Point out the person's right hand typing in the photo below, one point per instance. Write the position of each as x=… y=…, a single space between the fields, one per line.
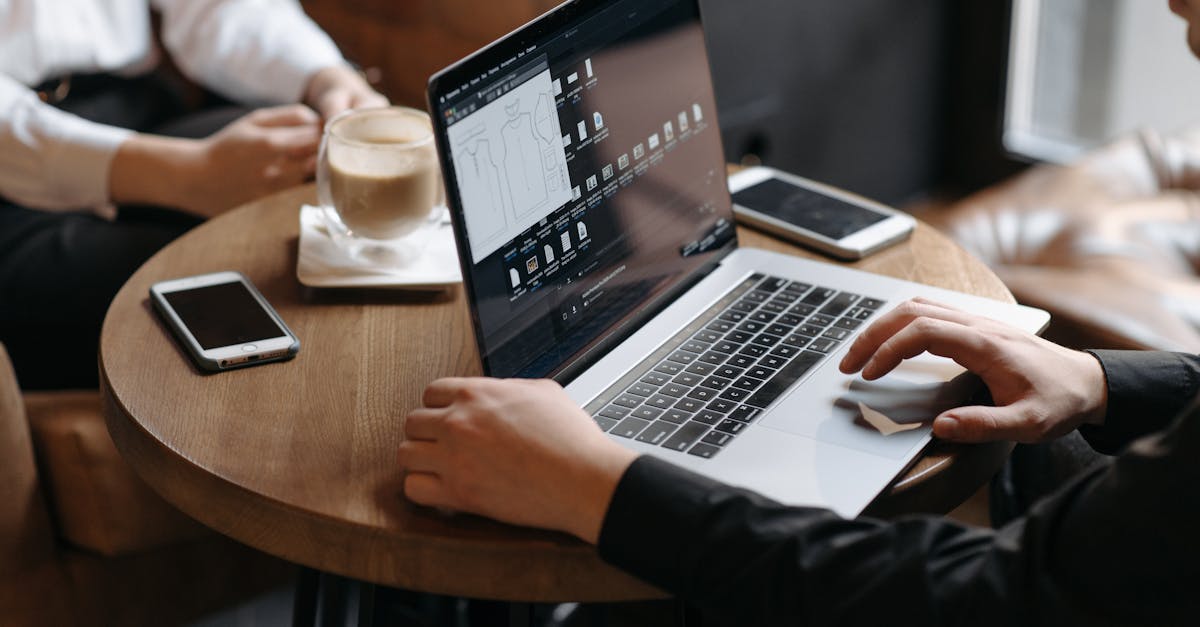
x=265 y=151
x=1041 y=390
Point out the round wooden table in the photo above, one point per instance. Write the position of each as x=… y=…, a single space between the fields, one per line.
x=297 y=458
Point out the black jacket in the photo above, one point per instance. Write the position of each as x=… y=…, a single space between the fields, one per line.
x=1118 y=545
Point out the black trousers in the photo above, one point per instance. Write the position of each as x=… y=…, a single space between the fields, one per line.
x=60 y=270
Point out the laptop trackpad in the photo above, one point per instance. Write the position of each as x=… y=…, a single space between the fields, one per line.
x=829 y=407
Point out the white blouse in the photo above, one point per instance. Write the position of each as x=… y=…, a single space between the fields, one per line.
x=252 y=51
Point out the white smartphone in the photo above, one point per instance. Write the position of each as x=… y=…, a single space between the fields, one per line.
x=830 y=220
x=223 y=321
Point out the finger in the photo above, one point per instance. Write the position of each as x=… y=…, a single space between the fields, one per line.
x=287 y=115
x=419 y=456
x=442 y=392
x=424 y=424
x=333 y=104
x=426 y=489
x=965 y=345
x=981 y=423
x=294 y=142
x=869 y=341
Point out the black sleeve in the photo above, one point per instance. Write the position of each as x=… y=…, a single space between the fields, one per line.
x=1146 y=389
x=1117 y=546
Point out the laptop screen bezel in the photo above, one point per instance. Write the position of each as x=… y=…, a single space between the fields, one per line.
x=474 y=65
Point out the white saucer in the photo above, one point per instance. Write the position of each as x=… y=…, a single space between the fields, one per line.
x=322 y=263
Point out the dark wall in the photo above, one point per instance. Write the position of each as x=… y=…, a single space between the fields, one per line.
x=864 y=94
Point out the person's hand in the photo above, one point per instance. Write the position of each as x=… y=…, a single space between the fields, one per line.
x=515 y=450
x=260 y=153
x=339 y=88
x=1040 y=390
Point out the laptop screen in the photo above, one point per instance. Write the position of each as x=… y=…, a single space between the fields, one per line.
x=586 y=175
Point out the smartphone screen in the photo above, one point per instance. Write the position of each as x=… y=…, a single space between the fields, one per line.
x=807 y=209
x=225 y=314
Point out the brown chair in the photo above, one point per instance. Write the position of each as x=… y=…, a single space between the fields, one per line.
x=83 y=541
x=1110 y=245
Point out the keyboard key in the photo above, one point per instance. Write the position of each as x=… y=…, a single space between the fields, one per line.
x=772 y=284
x=759 y=372
x=669 y=367
x=719 y=326
x=785 y=351
x=871 y=303
x=630 y=427
x=744 y=413
x=820 y=320
x=686 y=436
x=707 y=451
x=748 y=383
x=655 y=378
x=722 y=406
x=786 y=298
x=646 y=412
x=836 y=333
x=732 y=427
x=739 y=337
x=750 y=326
x=802 y=310
x=628 y=400
x=641 y=389
x=677 y=416
x=790 y=319
x=703 y=394
x=688 y=380
x=713 y=357
x=615 y=412
x=605 y=423
x=726 y=347
x=705 y=335
x=784 y=379
x=716 y=383
x=741 y=361
x=762 y=316
x=694 y=346
x=678 y=388
x=752 y=350
x=818 y=296
x=727 y=371
x=774 y=307
x=682 y=357
x=735 y=395
x=661 y=401
x=701 y=368
x=772 y=361
x=822 y=345
x=689 y=405
x=744 y=306
x=799 y=341
x=756 y=296
x=716 y=438
x=779 y=329
x=848 y=323
x=797 y=288
x=839 y=304
x=766 y=339
x=810 y=330
x=732 y=316
x=708 y=417
x=657 y=432
x=863 y=314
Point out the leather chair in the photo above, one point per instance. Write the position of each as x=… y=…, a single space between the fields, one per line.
x=1110 y=245
x=83 y=541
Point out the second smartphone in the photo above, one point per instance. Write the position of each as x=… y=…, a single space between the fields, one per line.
x=830 y=220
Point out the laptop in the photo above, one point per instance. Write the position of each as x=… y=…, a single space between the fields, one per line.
x=587 y=186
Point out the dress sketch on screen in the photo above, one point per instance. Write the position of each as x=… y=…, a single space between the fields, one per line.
x=482 y=186
x=524 y=161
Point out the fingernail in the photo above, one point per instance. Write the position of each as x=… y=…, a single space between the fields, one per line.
x=946 y=426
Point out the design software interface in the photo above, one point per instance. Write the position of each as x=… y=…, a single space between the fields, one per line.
x=589 y=177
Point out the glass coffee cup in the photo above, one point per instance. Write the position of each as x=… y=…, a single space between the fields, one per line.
x=378 y=181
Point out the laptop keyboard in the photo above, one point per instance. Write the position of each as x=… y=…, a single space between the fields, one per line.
x=702 y=387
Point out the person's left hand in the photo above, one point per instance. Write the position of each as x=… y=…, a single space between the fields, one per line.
x=339 y=88
x=515 y=450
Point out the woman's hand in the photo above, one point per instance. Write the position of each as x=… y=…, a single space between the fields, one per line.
x=1040 y=389
x=339 y=88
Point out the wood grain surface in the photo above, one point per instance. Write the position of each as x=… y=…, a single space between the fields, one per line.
x=298 y=458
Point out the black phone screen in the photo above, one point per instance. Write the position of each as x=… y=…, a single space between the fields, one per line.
x=807 y=209
x=225 y=314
